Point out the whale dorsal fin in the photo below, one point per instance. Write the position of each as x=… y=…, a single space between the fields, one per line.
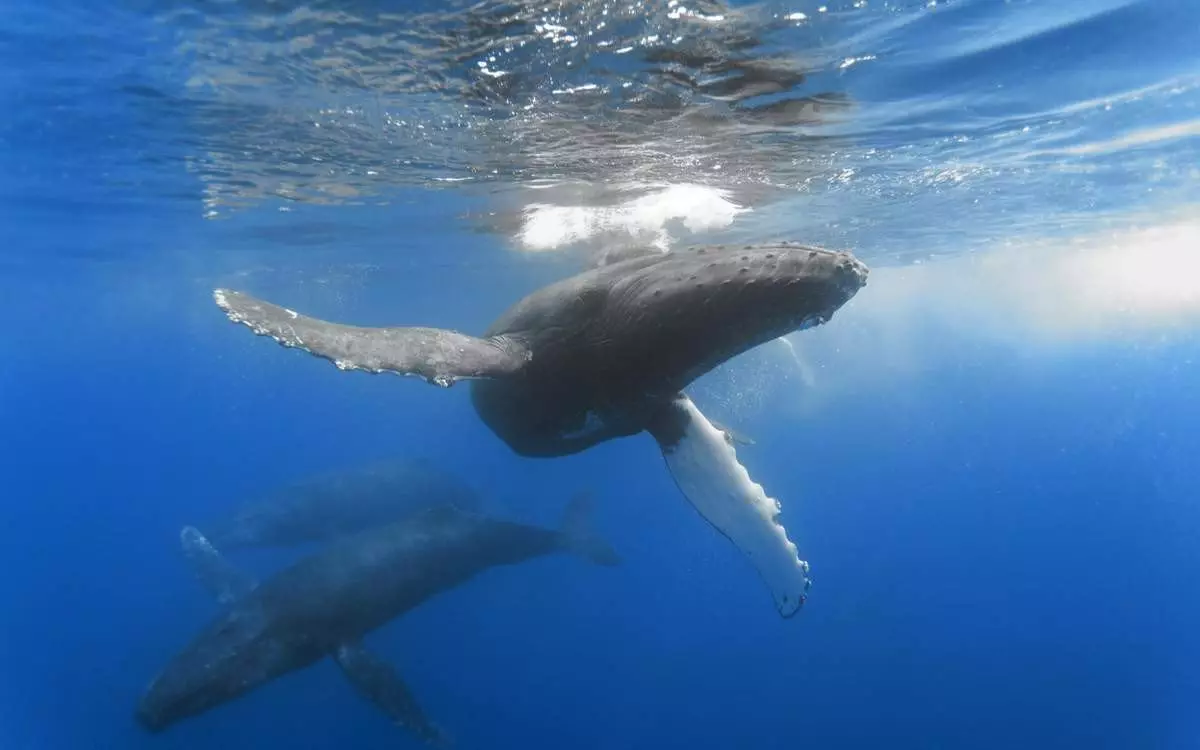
x=226 y=583
x=704 y=465
x=439 y=356
x=380 y=683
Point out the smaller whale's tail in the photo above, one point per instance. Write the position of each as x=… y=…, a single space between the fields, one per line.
x=578 y=537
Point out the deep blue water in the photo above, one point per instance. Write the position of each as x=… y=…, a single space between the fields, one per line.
x=988 y=456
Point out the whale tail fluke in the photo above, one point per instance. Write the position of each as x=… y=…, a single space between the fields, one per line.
x=578 y=536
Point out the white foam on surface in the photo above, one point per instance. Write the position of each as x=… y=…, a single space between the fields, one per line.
x=696 y=208
x=707 y=471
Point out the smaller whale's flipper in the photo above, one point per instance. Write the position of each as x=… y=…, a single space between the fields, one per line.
x=441 y=357
x=378 y=682
x=578 y=536
x=705 y=467
x=225 y=582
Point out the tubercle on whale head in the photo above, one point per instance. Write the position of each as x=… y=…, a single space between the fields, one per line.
x=854 y=271
x=756 y=292
x=699 y=307
x=842 y=267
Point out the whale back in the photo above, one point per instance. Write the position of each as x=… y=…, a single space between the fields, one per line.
x=333 y=503
x=566 y=304
x=610 y=344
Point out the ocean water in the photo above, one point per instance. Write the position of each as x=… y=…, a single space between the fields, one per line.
x=988 y=456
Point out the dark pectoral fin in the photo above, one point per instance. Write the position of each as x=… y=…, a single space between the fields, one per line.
x=439 y=356
x=705 y=467
x=225 y=582
x=378 y=682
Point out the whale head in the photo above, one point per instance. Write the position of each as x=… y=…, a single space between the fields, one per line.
x=234 y=654
x=698 y=307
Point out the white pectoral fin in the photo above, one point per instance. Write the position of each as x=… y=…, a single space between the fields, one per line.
x=705 y=467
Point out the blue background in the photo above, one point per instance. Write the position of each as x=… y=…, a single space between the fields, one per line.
x=1005 y=550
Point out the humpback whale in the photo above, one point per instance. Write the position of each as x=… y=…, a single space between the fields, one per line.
x=325 y=603
x=322 y=506
x=607 y=353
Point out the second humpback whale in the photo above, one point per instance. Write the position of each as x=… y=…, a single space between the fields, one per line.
x=332 y=503
x=325 y=603
x=607 y=353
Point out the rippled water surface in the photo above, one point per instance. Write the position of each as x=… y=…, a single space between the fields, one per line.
x=976 y=116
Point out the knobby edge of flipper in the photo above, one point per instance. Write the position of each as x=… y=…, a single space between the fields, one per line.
x=226 y=583
x=704 y=465
x=439 y=356
x=380 y=683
